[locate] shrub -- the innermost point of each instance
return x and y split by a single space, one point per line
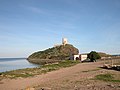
93 56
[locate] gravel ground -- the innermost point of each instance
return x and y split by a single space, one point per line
78 77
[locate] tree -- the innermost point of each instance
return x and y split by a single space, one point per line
93 56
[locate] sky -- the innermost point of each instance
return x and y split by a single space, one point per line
27 26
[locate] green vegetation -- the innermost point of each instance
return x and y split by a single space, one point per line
92 70
62 64
107 77
37 71
52 55
93 56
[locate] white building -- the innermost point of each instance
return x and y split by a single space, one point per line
64 41
83 57
76 56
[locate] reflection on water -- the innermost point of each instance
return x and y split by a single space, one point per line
7 64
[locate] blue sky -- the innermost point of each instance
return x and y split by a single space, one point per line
27 26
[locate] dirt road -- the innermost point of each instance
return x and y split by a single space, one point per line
78 77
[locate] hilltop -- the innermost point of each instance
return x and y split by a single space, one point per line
54 54
103 54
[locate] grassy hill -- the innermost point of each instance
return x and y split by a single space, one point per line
53 54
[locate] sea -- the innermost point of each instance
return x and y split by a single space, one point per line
8 64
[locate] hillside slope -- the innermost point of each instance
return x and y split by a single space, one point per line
103 54
53 54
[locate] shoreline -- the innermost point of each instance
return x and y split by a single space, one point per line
42 69
9 64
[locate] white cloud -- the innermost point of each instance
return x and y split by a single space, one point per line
34 9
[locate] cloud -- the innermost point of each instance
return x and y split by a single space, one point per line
34 9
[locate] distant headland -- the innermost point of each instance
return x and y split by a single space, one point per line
59 52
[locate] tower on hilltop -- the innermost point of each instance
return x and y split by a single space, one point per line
64 41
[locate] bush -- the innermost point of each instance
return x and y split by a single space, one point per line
93 56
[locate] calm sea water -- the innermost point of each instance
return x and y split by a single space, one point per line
7 64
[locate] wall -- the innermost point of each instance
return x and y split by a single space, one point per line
83 57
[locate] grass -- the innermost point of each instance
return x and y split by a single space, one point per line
107 77
28 72
63 64
92 70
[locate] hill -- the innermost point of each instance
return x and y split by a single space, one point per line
103 54
54 54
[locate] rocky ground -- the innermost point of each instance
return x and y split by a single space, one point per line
78 77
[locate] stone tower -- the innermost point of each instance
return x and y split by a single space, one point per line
64 41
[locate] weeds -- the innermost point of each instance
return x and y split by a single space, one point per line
106 77
92 70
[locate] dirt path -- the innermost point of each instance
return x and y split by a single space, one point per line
63 79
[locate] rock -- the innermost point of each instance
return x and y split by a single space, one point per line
119 86
111 85
108 66
45 88
118 67
89 85
30 89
